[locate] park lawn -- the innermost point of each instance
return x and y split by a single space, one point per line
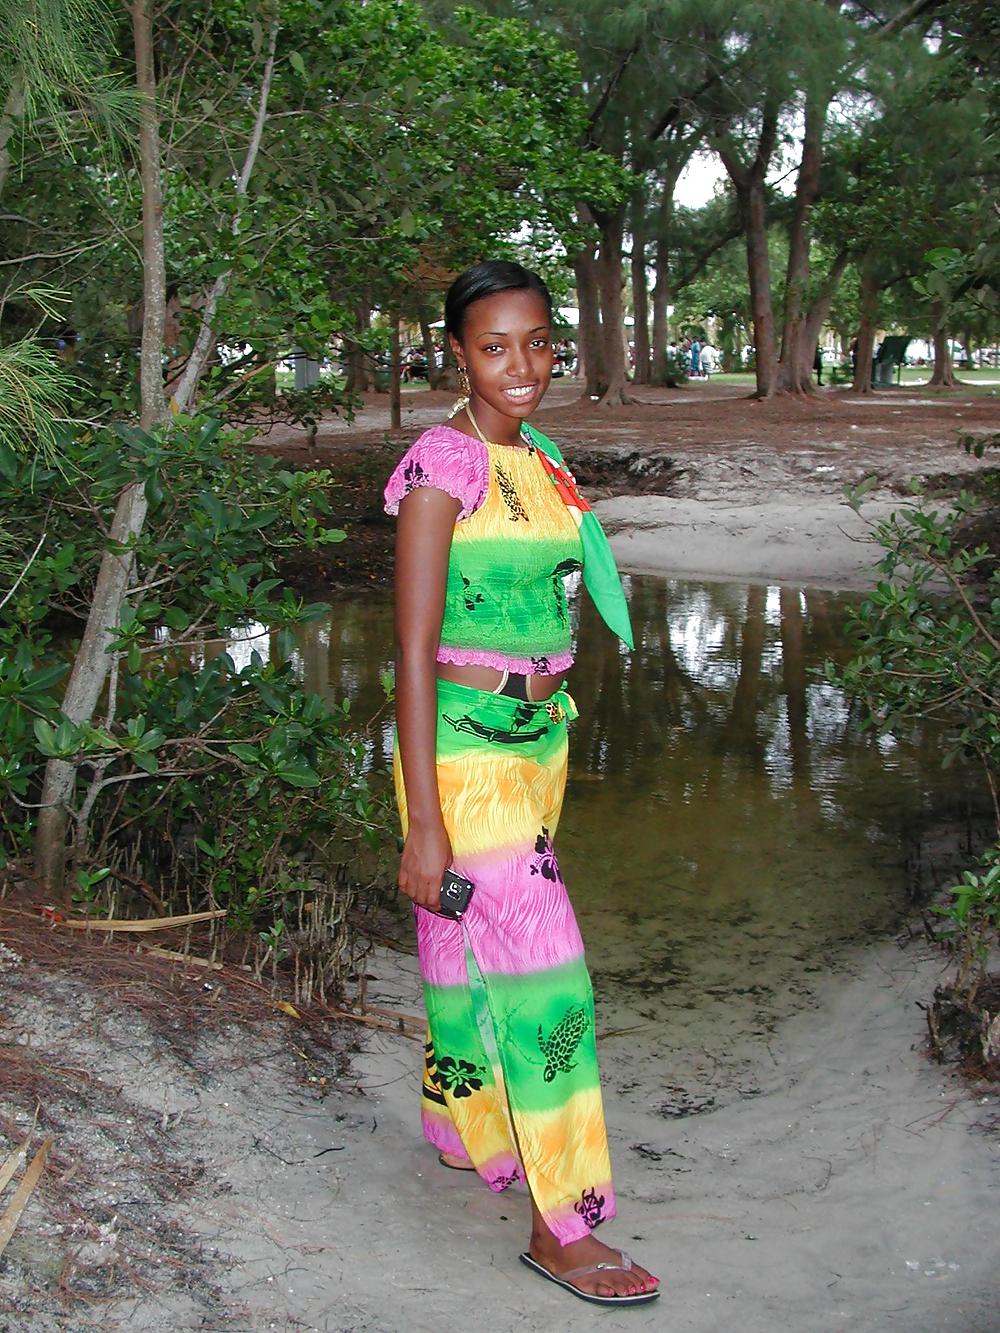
984 382
921 375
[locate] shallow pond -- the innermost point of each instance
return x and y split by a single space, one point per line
730 829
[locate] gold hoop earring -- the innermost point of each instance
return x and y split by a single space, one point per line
464 391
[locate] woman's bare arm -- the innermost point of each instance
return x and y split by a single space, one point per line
423 541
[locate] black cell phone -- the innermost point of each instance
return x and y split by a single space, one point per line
456 894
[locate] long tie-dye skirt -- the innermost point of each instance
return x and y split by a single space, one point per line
511 1079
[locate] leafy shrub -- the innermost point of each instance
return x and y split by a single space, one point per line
199 783
929 647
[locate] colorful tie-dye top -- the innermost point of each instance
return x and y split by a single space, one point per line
514 543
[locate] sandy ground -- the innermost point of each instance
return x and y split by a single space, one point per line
854 1190
755 509
849 1185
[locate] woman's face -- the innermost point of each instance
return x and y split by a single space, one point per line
506 347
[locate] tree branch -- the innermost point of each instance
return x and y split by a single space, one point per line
673 111
31 561
732 232
206 333
909 15
610 88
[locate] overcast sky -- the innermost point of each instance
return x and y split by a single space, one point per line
698 180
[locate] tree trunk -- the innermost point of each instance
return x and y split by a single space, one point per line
753 208
749 182
660 371
868 313
395 377
9 119
611 283
357 376
821 306
590 349
447 377
640 294
427 338
205 342
92 661
944 370
796 362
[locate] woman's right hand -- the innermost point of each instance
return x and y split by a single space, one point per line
426 856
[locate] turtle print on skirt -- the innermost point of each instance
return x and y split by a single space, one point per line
511 1079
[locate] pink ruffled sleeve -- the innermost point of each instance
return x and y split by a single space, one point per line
447 460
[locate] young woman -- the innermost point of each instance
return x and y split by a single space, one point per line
490 524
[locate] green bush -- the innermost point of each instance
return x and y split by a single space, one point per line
199 784
929 648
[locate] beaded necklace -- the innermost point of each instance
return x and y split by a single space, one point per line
496 443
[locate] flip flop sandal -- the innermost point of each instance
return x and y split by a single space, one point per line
451 1165
564 1280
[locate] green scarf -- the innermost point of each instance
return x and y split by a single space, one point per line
600 573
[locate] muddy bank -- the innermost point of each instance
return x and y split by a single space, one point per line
816 541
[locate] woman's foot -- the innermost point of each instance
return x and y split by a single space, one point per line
456 1163
613 1281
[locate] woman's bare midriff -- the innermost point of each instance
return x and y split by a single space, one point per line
488 678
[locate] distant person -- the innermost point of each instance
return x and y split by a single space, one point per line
853 351
707 360
818 365
695 359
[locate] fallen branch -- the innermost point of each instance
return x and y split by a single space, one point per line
155 951
404 1020
402 1024
152 923
13 1162
23 1193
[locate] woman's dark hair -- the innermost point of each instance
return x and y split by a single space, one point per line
486 279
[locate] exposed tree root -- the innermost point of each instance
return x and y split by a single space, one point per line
964 1028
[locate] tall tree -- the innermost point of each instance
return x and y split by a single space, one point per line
644 74
90 667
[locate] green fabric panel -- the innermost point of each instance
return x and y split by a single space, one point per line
600 573
456 1037
509 596
553 1010
473 720
559 1001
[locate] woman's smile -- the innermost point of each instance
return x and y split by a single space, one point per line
520 393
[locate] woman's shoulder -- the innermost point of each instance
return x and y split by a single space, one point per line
451 441
446 459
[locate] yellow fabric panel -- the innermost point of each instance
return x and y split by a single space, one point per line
490 802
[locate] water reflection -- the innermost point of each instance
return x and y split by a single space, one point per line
729 825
